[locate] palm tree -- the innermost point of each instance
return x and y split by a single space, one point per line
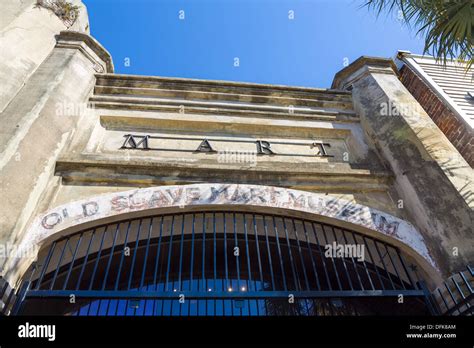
448 25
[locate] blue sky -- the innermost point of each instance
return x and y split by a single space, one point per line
271 48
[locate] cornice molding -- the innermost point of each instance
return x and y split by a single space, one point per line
89 46
362 67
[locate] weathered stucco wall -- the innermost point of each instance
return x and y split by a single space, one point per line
37 125
431 176
232 117
27 37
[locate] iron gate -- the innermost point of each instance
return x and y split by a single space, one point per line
220 263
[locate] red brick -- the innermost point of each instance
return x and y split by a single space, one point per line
455 130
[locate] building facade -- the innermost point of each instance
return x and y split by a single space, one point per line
446 93
139 195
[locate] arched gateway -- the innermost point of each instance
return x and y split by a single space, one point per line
215 249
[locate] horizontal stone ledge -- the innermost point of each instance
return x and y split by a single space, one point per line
253 126
153 115
211 110
104 163
282 100
126 180
215 85
224 105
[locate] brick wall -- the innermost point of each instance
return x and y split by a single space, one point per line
456 130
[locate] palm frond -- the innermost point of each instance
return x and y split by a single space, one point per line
447 25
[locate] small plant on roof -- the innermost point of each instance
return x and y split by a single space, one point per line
65 10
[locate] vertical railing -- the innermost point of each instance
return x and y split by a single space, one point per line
456 295
194 254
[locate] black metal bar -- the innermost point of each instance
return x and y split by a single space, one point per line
282 267
134 254
412 283
181 254
458 288
427 298
203 273
373 263
66 243
321 254
237 261
442 297
466 282
192 256
46 264
145 259
117 280
269 252
336 272
104 283
258 250
394 267
301 255
133 294
247 252
225 284
292 263
383 264
170 249
215 256
248 262
456 285
72 261
23 290
227 140
214 250
108 306
468 311
85 260
343 260
158 251
361 284
315 270
97 263
365 264
451 295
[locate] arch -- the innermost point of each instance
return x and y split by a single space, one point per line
75 215
242 260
